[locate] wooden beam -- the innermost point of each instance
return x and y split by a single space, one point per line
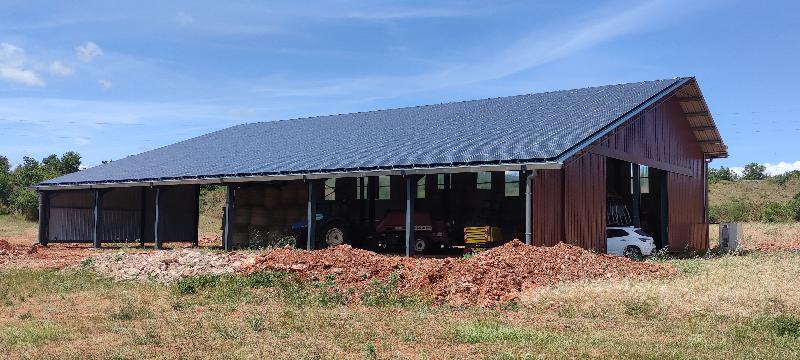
710 141
702 128
698 114
689 98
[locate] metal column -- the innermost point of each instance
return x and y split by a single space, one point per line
227 232
311 217
372 194
97 225
528 175
157 224
410 187
637 196
44 217
143 215
196 216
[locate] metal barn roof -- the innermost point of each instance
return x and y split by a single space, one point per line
535 129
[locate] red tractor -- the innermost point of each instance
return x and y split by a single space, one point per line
390 232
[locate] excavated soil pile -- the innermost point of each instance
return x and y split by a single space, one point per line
792 245
8 249
170 265
493 277
15 254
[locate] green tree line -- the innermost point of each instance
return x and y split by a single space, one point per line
15 193
739 209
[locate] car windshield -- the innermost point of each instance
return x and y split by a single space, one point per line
641 232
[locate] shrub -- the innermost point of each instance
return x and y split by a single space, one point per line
738 210
26 203
190 285
794 207
774 212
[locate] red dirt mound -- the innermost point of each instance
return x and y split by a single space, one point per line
493 277
792 245
15 255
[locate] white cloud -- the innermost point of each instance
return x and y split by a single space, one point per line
88 51
59 69
781 167
105 83
528 52
12 66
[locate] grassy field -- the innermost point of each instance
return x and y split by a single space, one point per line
17 227
730 306
758 192
718 307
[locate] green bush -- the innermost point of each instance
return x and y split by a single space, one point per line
734 210
794 207
774 212
26 203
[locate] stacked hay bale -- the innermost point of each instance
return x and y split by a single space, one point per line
264 214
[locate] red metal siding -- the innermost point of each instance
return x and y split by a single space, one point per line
686 213
548 217
585 202
661 138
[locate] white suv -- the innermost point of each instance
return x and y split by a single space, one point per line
629 241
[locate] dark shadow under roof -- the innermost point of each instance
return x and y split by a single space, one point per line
516 129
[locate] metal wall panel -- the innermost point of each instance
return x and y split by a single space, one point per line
585 202
548 207
662 138
122 215
71 216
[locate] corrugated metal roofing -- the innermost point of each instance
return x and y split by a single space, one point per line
525 128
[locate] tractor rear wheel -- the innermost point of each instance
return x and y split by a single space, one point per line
334 235
420 246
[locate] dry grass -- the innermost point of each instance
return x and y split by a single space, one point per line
731 306
722 307
16 226
760 233
757 192
733 286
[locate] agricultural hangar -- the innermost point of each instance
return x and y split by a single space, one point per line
548 167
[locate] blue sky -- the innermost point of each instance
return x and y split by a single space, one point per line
109 80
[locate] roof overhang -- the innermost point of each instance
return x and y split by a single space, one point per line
234 179
688 94
701 121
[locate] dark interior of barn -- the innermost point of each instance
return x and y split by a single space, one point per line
637 196
369 212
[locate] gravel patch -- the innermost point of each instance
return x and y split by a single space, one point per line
170 265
